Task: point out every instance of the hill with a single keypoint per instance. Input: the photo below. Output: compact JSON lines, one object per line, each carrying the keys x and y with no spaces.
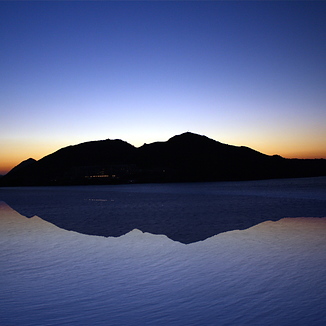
{"x":183,"y":158}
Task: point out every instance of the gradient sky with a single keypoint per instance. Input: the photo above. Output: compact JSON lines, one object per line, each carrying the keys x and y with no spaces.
{"x":242,"y":73}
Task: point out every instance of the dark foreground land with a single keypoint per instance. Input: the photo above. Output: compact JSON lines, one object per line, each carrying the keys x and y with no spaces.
{"x":184,"y":158}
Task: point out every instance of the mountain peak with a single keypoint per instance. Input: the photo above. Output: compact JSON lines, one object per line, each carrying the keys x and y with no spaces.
{"x":23,"y":164}
{"x":190,"y":137}
{"x":187,"y":157}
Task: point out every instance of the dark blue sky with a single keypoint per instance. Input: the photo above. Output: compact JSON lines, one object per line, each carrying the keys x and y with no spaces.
{"x":243,"y":73}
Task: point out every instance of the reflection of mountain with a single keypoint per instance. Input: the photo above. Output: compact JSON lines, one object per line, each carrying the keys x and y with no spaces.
{"x":271,"y":274}
{"x":186,"y":157}
{"x":183,"y":212}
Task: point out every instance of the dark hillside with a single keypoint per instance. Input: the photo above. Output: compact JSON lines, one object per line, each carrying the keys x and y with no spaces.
{"x":183,"y":158}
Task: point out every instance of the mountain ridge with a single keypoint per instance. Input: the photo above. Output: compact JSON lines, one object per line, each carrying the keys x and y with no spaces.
{"x":187,"y":157}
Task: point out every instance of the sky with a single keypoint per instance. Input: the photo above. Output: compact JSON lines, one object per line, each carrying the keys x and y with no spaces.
{"x":243,"y":73}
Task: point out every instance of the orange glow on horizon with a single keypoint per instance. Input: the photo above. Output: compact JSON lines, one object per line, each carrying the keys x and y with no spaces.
{"x":13,"y":154}
{"x":304,"y":153}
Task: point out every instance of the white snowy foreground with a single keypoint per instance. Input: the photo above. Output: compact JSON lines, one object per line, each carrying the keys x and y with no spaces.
{"x":271,"y":274}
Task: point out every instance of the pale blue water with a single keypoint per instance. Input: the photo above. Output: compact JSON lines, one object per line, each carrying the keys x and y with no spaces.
{"x":273,"y":273}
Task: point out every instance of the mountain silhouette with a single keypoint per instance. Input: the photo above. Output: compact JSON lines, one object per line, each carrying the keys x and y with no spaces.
{"x":183,"y":158}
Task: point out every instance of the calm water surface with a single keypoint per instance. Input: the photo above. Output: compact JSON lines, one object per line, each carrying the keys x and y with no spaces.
{"x":184,"y":212}
{"x":272,"y":273}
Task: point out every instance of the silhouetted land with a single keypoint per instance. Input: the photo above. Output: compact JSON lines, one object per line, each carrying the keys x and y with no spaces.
{"x":184,"y":158}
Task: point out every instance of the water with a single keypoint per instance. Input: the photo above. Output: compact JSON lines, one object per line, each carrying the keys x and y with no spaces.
{"x":270,"y":274}
{"x":184,"y":212}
